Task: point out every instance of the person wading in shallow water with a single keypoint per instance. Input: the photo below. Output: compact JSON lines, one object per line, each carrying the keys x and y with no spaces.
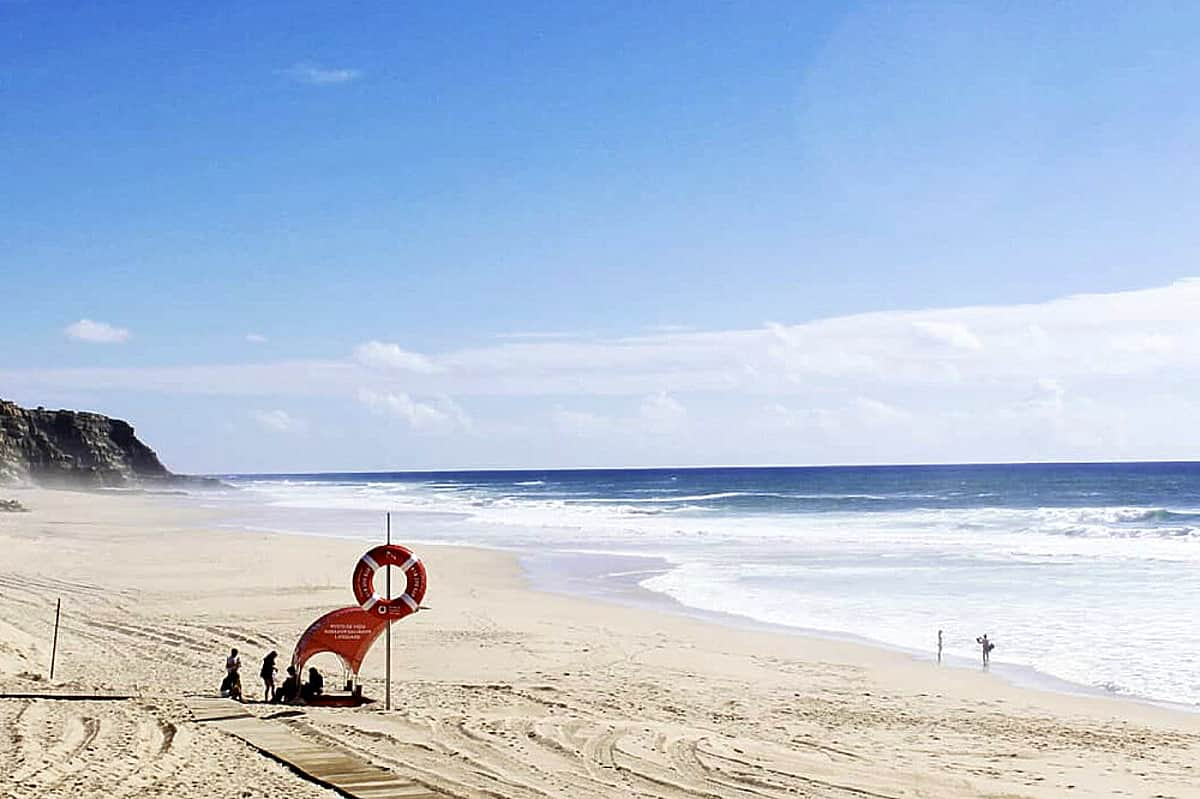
{"x":939,"y":646}
{"x":986,"y":647}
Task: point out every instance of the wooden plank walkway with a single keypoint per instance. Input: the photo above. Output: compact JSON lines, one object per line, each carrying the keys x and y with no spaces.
{"x":348,"y":775}
{"x":89,"y":696}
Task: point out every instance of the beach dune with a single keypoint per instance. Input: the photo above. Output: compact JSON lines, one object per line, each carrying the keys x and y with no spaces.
{"x":501,"y":690}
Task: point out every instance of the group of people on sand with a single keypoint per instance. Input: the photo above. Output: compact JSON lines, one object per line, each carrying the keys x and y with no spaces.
{"x":288,"y":692}
{"x":986,"y":646}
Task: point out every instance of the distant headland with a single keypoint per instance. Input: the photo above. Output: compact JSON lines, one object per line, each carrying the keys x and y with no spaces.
{"x":73,"y":448}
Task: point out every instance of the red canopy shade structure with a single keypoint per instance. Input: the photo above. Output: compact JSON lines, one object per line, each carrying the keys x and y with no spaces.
{"x":349,"y":632}
{"x":346,"y":632}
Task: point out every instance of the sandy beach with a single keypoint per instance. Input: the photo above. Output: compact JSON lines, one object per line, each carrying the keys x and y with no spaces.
{"x":502,"y":691}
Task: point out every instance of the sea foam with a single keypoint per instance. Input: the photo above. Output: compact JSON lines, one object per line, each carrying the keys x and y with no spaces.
{"x":1084,"y":573}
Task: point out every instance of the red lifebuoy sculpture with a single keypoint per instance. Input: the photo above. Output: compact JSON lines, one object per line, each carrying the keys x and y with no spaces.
{"x":349,"y":632}
{"x":364,"y":581}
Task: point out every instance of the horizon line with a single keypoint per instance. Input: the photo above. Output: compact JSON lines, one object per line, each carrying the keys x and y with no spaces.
{"x":912,"y":465}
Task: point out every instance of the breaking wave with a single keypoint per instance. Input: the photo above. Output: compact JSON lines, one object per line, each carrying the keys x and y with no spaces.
{"x":1082,"y":572}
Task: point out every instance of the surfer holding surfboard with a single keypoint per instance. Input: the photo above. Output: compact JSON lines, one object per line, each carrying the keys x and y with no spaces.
{"x":986,"y":647}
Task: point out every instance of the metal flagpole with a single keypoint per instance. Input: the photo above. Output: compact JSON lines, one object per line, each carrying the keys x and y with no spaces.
{"x":54,"y":643}
{"x":387,"y":701}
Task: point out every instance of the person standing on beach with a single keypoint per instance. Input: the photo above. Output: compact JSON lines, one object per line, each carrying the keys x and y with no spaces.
{"x":939,"y":646}
{"x":232,"y":663}
{"x":986,"y":647}
{"x":268,"y":675}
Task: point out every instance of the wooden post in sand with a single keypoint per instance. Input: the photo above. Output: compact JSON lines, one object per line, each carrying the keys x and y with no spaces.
{"x":54,"y":641}
{"x":387,"y":690}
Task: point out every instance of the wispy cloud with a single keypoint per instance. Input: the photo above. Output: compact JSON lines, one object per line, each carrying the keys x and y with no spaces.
{"x":1092,"y":338}
{"x":1047,"y":395}
{"x":662,"y":413}
{"x":657,"y":413}
{"x":951,"y":334}
{"x":96,"y":332}
{"x":580,"y":423}
{"x":392,"y":356}
{"x":1145,"y":343}
{"x":844,"y":418}
{"x":439,"y":415}
{"x":256,"y":338}
{"x":537,"y":335}
{"x":315,"y":75}
{"x":279,"y":421}
{"x":1089,"y":374}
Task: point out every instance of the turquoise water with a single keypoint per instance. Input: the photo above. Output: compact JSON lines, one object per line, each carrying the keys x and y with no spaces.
{"x":1085,"y":572}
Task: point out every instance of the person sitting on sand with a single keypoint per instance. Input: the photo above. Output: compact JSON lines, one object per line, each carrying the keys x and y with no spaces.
{"x":232,"y":664}
{"x":290,"y":688}
{"x":315,"y":685}
{"x":231,"y":686}
{"x":234,"y":688}
{"x":268,"y":675}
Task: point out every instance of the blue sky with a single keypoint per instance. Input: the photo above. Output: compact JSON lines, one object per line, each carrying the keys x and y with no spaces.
{"x":742,"y":232}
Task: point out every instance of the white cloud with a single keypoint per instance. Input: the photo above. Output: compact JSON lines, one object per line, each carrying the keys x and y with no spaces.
{"x":96,"y":332}
{"x":439,"y":415}
{"x":951,"y":334}
{"x":871,"y":355}
{"x":535,"y":335}
{"x":314,"y":75}
{"x":256,"y":338}
{"x":1047,"y":395}
{"x":876,"y":413}
{"x":1144,"y":343}
{"x":391,"y":356}
{"x":657,"y":413}
{"x":777,"y":416}
{"x":846,"y":418}
{"x":1081,"y":376}
{"x":580,"y":423}
{"x":279,"y":421}
{"x":662,"y":413}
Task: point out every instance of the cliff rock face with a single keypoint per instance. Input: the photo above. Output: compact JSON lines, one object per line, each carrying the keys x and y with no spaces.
{"x":58,"y":447}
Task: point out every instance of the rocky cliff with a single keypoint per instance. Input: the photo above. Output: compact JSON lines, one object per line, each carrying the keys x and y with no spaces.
{"x":60,"y":447}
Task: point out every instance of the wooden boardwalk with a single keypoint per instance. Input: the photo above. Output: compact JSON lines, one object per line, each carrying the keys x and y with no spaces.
{"x":343,"y":772}
{"x":87,"y":696}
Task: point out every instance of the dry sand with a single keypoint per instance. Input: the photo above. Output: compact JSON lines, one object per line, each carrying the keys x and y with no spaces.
{"x":503,"y":691}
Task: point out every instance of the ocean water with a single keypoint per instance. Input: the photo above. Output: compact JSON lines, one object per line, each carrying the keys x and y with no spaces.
{"x":1089,"y":573}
